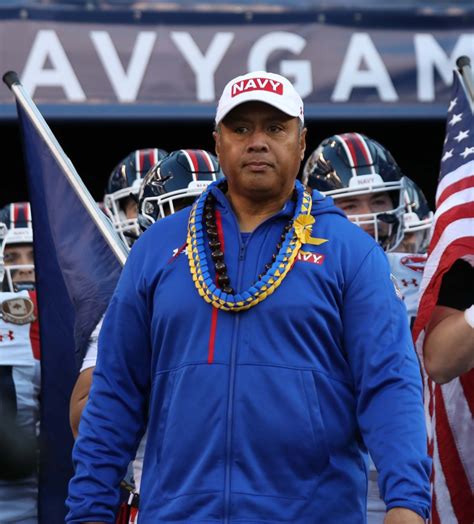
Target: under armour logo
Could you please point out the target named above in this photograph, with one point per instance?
(177, 251)
(10, 336)
(412, 282)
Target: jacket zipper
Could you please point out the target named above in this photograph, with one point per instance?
(230, 401)
(233, 358)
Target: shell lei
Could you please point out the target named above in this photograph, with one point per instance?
(300, 233)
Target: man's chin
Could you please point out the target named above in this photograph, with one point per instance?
(262, 190)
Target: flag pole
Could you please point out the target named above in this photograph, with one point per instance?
(463, 64)
(12, 81)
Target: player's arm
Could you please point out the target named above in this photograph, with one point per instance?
(81, 390)
(79, 397)
(449, 345)
(448, 349)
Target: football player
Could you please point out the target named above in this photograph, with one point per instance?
(369, 186)
(365, 181)
(417, 220)
(19, 367)
(120, 200)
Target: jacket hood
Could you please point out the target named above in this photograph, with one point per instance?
(324, 204)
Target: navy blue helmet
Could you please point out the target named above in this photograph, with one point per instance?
(351, 164)
(17, 230)
(175, 182)
(122, 189)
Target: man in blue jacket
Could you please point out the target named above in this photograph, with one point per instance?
(259, 338)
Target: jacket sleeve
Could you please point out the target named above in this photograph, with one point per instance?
(388, 384)
(115, 415)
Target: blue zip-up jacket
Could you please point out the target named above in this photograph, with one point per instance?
(262, 416)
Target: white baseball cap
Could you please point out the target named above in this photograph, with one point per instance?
(260, 86)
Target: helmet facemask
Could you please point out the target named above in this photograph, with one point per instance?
(417, 220)
(127, 228)
(174, 183)
(17, 277)
(168, 204)
(10, 279)
(386, 226)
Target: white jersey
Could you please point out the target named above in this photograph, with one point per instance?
(407, 269)
(90, 360)
(19, 344)
(19, 348)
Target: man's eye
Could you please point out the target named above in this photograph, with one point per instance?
(240, 130)
(275, 129)
(8, 258)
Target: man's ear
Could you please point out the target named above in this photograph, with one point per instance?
(303, 142)
(216, 137)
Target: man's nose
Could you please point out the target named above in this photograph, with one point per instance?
(24, 271)
(257, 142)
(365, 209)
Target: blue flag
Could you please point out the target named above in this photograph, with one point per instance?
(76, 273)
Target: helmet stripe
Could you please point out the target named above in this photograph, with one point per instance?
(359, 152)
(14, 215)
(143, 152)
(365, 151)
(137, 162)
(192, 160)
(353, 145)
(208, 161)
(342, 141)
(153, 157)
(20, 215)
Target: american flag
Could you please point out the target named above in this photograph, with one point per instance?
(449, 408)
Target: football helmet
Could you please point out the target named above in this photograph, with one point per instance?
(19, 232)
(3, 233)
(350, 165)
(123, 185)
(175, 182)
(418, 219)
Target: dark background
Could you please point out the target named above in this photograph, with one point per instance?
(95, 147)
